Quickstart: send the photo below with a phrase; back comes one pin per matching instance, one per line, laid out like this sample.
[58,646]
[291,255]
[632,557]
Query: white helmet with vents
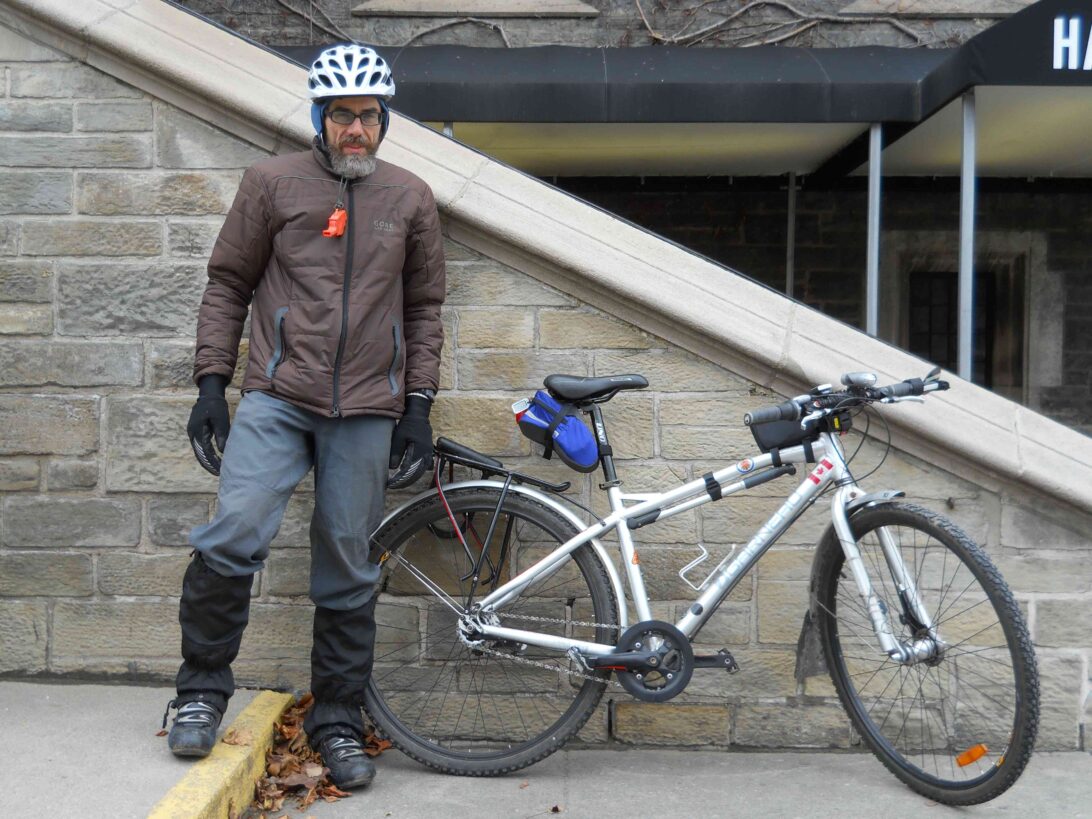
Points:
[350,70]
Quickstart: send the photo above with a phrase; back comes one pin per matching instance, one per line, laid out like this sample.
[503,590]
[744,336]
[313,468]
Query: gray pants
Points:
[272,446]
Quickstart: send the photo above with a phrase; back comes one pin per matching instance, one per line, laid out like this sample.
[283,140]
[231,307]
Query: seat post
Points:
[606,455]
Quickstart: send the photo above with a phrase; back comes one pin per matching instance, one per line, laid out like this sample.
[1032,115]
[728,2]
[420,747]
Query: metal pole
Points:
[449,129]
[872,287]
[966,238]
[790,242]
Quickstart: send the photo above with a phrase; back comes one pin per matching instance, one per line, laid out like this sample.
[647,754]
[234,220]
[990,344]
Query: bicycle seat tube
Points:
[625,537]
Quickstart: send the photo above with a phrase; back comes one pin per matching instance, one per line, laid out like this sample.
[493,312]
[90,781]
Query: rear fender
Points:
[554,504]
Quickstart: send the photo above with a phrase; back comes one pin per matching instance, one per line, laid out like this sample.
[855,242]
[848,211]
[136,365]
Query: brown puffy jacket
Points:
[341,326]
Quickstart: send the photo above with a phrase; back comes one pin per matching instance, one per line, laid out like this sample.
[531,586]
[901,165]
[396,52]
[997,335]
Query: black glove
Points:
[411,444]
[209,417]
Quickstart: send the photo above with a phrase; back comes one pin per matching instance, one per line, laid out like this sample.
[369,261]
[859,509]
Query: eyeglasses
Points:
[343,116]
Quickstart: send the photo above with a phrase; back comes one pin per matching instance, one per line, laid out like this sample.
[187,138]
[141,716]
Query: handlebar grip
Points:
[911,386]
[787,411]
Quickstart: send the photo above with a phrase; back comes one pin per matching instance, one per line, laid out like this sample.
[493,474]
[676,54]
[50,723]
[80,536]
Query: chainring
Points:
[673,671]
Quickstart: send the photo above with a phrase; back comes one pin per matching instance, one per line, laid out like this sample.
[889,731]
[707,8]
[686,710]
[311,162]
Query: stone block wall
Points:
[110,201]
[617,23]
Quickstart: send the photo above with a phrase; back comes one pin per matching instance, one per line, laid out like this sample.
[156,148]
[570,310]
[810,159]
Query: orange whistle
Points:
[336,227]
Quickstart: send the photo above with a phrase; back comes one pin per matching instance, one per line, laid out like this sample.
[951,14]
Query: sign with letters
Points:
[1047,44]
[1072,44]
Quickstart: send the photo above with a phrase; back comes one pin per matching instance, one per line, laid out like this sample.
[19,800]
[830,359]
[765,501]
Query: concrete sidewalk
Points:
[92,751]
[88,750]
[687,784]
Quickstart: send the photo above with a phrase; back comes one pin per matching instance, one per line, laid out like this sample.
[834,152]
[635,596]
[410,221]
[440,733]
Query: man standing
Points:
[342,256]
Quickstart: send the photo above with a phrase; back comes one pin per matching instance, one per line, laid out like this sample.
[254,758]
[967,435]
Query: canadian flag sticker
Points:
[817,473]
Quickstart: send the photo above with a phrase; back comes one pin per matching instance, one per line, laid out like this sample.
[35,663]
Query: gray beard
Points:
[352,166]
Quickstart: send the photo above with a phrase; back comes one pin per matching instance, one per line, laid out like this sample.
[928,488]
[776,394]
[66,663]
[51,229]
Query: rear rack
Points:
[452,452]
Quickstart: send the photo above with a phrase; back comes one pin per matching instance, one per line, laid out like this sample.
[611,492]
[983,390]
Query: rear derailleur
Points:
[471,636]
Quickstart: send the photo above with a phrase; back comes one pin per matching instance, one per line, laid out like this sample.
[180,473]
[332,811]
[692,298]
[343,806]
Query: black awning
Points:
[656,84]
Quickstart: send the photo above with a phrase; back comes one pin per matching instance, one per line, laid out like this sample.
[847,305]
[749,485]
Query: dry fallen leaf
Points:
[300,780]
[555,809]
[162,733]
[238,736]
[333,793]
[294,769]
[374,746]
[523,785]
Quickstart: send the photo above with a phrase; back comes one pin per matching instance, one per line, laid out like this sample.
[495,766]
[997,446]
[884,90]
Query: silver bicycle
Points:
[502,617]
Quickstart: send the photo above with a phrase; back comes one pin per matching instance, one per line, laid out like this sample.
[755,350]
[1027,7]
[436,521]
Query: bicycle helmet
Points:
[348,70]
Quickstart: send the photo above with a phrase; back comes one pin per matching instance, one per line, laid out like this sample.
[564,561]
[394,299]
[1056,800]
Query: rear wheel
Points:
[482,707]
[958,728]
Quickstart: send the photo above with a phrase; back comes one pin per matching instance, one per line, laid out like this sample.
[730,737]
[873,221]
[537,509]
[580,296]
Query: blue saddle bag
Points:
[557,427]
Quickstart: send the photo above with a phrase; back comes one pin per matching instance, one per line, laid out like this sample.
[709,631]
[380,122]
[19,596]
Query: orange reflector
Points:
[973,753]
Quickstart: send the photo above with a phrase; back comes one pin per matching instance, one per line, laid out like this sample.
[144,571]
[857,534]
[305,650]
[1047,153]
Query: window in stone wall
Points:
[998,343]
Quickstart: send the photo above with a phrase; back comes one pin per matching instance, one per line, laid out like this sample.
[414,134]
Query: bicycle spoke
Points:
[940,614]
[948,651]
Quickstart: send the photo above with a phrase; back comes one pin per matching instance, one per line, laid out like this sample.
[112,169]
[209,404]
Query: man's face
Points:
[354,139]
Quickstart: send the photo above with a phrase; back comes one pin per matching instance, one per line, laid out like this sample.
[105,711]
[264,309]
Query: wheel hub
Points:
[469,629]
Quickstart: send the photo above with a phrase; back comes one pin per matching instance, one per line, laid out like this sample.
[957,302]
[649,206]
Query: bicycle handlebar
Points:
[787,411]
[794,408]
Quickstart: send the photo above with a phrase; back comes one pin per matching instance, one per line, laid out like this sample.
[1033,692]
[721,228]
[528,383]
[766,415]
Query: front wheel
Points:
[959,727]
[465,705]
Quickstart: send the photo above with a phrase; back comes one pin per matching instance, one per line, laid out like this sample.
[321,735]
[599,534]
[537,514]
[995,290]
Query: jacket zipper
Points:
[280,351]
[394,360]
[336,411]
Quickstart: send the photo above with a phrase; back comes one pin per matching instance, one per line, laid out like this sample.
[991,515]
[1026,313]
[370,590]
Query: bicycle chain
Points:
[609,681]
[558,620]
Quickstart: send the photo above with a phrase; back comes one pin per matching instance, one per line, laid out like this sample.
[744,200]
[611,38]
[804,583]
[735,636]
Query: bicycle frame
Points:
[646,508]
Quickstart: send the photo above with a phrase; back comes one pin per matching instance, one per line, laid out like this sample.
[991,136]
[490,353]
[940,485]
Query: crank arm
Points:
[625,661]
[722,659]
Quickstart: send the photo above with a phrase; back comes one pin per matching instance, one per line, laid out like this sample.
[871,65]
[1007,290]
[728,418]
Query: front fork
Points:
[927,645]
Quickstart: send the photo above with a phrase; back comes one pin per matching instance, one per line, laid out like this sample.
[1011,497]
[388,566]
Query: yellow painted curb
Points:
[223,782]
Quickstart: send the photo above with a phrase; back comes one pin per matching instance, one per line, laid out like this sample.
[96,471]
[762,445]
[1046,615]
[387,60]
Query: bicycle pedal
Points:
[722,659]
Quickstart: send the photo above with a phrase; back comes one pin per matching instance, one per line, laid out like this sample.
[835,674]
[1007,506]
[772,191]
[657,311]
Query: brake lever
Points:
[811,416]
[917,398]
